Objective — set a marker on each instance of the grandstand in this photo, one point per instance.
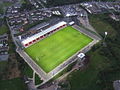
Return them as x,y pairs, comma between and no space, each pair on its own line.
39,36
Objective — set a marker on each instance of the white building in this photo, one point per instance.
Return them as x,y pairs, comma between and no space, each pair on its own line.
71,23
81,55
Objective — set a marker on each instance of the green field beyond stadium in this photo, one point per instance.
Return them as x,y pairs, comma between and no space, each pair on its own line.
57,48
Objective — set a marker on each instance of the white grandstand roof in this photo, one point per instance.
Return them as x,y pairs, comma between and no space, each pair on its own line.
29,39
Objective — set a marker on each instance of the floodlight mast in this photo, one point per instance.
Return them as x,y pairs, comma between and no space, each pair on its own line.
106,33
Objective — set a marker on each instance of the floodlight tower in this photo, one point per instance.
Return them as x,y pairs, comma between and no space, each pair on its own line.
106,33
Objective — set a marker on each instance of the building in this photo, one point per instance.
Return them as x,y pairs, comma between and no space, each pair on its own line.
37,37
81,55
71,23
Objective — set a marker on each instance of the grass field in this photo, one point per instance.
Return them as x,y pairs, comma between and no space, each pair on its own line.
13,84
87,79
54,50
90,77
3,29
102,26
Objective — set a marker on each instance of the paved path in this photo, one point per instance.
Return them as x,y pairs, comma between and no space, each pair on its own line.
31,86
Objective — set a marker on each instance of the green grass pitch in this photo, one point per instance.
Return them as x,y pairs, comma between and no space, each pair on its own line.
55,49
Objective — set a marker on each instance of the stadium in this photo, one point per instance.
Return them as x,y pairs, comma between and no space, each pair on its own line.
51,50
